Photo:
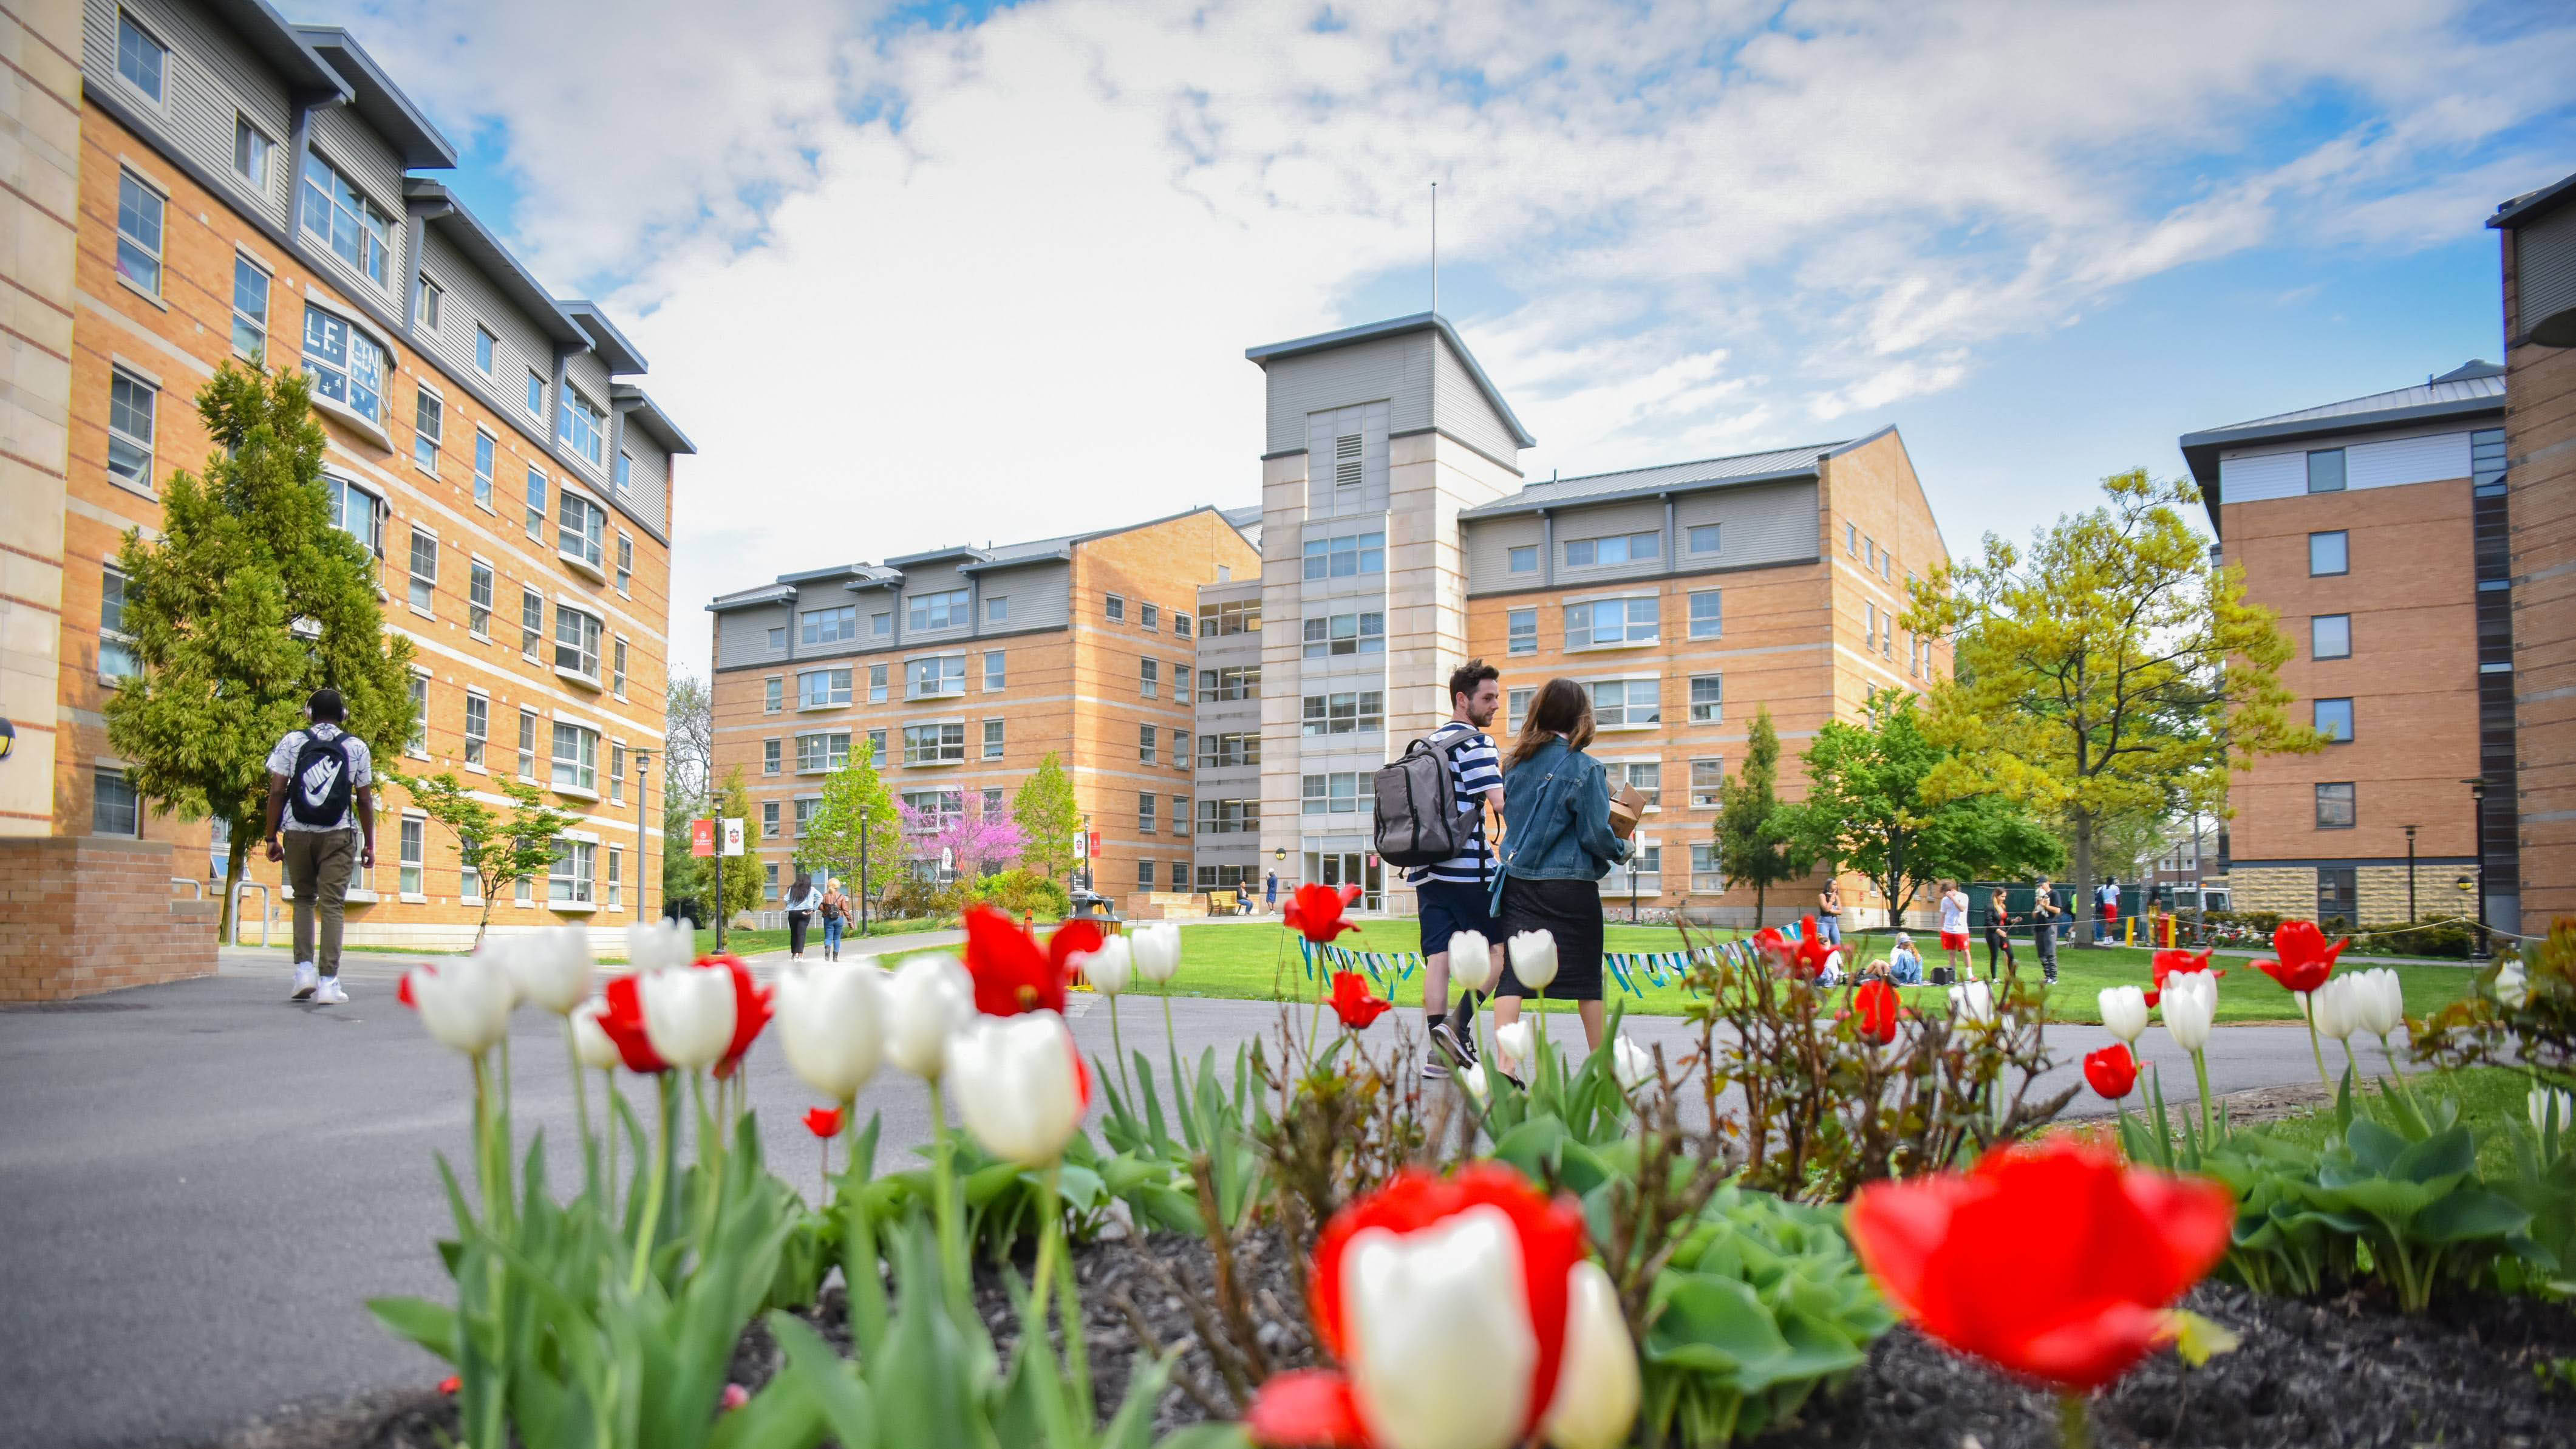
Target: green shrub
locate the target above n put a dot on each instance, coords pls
(1022, 893)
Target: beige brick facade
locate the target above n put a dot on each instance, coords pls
(2540, 433)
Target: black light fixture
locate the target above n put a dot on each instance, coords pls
(2478, 815)
(2411, 917)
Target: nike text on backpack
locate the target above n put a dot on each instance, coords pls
(319, 796)
(1418, 819)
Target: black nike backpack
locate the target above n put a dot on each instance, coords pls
(1418, 819)
(319, 792)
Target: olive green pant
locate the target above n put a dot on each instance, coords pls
(318, 863)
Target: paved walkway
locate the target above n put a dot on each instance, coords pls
(202, 1182)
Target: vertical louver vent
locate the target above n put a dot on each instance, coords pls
(1346, 462)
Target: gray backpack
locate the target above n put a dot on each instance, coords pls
(1418, 819)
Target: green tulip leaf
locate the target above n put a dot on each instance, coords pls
(2469, 1214)
(1712, 1324)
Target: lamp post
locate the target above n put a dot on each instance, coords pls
(2411, 917)
(643, 867)
(2478, 815)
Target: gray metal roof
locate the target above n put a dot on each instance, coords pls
(2531, 204)
(650, 416)
(605, 339)
(2473, 389)
(991, 556)
(380, 101)
(1397, 327)
(1797, 462)
(306, 73)
(469, 235)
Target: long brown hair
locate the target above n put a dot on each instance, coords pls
(1563, 707)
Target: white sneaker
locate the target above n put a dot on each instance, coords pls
(330, 994)
(306, 978)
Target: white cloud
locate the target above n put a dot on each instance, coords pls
(1013, 298)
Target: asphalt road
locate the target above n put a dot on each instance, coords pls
(200, 1183)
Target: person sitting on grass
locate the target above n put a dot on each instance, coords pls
(1904, 963)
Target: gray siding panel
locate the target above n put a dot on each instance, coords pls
(1459, 406)
(519, 345)
(342, 139)
(1394, 370)
(2544, 255)
(1576, 524)
(743, 636)
(649, 482)
(1763, 524)
(210, 78)
(1041, 595)
(1324, 499)
(1488, 544)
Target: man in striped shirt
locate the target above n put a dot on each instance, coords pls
(1454, 895)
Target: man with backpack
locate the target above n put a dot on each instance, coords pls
(1453, 889)
(318, 778)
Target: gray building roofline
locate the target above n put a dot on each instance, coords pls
(640, 405)
(611, 344)
(1397, 327)
(2200, 450)
(1659, 478)
(468, 235)
(2532, 205)
(998, 556)
(284, 46)
(380, 101)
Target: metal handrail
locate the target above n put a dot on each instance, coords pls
(192, 883)
(267, 912)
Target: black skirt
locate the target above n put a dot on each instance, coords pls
(1570, 911)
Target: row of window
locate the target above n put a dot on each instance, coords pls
(1610, 623)
(1877, 560)
(934, 742)
(1345, 792)
(940, 676)
(923, 613)
(1627, 703)
(1613, 550)
(1149, 615)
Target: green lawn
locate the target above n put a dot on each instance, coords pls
(2486, 1095)
(752, 943)
(1246, 960)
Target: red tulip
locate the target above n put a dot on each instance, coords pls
(623, 1021)
(750, 1010)
(1876, 1006)
(735, 1396)
(2099, 1250)
(2112, 1071)
(1011, 973)
(1771, 943)
(2305, 958)
(823, 1122)
(2169, 962)
(1315, 911)
(1812, 952)
(1353, 1002)
(450, 1384)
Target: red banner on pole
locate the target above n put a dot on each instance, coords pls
(702, 838)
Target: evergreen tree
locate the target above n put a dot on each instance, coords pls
(1755, 844)
(685, 877)
(856, 818)
(500, 850)
(250, 601)
(1049, 819)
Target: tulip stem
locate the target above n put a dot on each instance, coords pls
(2316, 1047)
(1050, 1240)
(2074, 1426)
(655, 1187)
(581, 1112)
(2200, 1075)
(952, 1243)
(608, 1086)
(1118, 1048)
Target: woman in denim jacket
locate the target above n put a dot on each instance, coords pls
(1557, 845)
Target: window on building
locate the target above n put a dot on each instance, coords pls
(616, 774)
(1521, 558)
(1115, 608)
(1618, 702)
(1870, 640)
(828, 626)
(1147, 743)
(1229, 817)
(945, 610)
(1707, 614)
(1646, 775)
(577, 635)
(881, 624)
(568, 883)
(1851, 539)
(769, 831)
(411, 879)
(114, 809)
(992, 739)
(536, 501)
(935, 678)
(485, 455)
(485, 344)
(1355, 712)
(1144, 875)
(1706, 877)
(1618, 548)
(115, 647)
(1868, 552)
(1703, 538)
(2338, 892)
(935, 744)
(1363, 633)
(576, 759)
(1705, 778)
(1145, 816)
(2330, 636)
(418, 745)
(355, 229)
(424, 569)
(822, 688)
(1345, 556)
(2334, 720)
(1149, 678)
(625, 563)
(478, 728)
(1180, 749)
(1241, 682)
(1603, 623)
(250, 309)
(536, 393)
(1708, 699)
(140, 58)
(805, 808)
(356, 512)
(997, 609)
(581, 426)
(345, 364)
(1337, 793)
(2336, 806)
(617, 669)
(1220, 750)
(769, 873)
(616, 879)
(1149, 616)
(771, 754)
(625, 472)
(1181, 676)
(1181, 624)
(532, 622)
(478, 600)
(2486, 461)
(469, 881)
(2329, 553)
(877, 746)
(132, 408)
(528, 745)
(877, 683)
(995, 808)
(139, 210)
(581, 532)
(1516, 707)
(1521, 625)
(1240, 617)
(2325, 470)
(939, 808)
(429, 302)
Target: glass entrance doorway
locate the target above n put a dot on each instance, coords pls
(1350, 867)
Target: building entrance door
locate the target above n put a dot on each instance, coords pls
(1350, 867)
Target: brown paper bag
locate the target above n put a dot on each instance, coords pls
(1626, 804)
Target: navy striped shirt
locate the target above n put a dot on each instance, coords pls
(1474, 768)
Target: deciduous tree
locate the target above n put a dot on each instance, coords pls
(1755, 845)
(856, 818)
(500, 850)
(1048, 817)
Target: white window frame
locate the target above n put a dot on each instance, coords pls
(487, 462)
(996, 671)
(1113, 607)
(1711, 710)
(115, 647)
(954, 605)
(1703, 793)
(1627, 693)
(102, 774)
(993, 732)
(428, 427)
(417, 747)
(250, 330)
(581, 532)
(478, 734)
(532, 624)
(625, 565)
(411, 878)
(589, 630)
(538, 486)
(1520, 631)
(424, 587)
(576, 773)
(617, 667)
(371, 225)
(487, 350)
(149, 46)
(571, 881)
(1586, 635)
(934, 742)
(946, 677)
(835, 693)
(135, 470)
(582, 426)
(429, 302)
(1713, 625)
(359, 370)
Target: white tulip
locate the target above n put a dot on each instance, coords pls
(1596, 1378)
(1632, 1064)
(831, 1021)
(2335, 1008)
(927, 999)
(2512, 985)
(1973, 1001)
(589, 1042)
(2381, 1000)
(1017, 1085)
(688, 1014)
(1516, 1046)
(551, 967)
(1439, 1347)
(464, 1004)
(1471, 961)
(2124, 1011)
(1533, 956)
(1108, 968)
(2190, 1006)
(1157, 951)
(2544, 1102)
(656, 946)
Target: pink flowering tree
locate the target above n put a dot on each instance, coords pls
(975, 844)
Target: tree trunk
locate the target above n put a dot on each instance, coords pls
(234, 855)
(1758, 890)
(2086, 911)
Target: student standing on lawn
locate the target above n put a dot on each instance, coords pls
(2043, 928)
(1456, 894)
(1829, 914)
(1954, 928)
(317, 776)
(1998, 932)
(2106, 929)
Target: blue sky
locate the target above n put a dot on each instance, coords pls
(922, 275)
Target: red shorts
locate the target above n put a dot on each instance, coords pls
(1954, 940)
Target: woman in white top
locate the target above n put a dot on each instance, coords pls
(803, 900)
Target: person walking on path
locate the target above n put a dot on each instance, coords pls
(2043, 928)
(1558, 845)
(1998, 932)
(1829, 914)
(836, 910)
(803, 900)
(322, 826)
(1954, 929)
(1456, 894)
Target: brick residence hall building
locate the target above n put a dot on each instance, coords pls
(1221, 683)
(203, 182)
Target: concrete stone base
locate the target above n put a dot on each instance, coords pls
(90, 913)
(2292, 891)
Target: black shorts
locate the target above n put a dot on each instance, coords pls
(1448, 907)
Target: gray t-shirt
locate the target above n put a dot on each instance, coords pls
(281, 761)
